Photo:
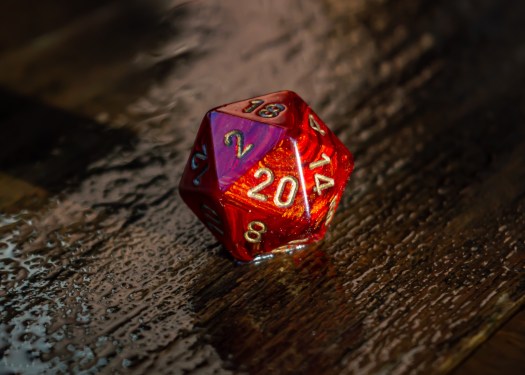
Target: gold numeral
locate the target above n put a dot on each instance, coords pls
(241, 150)
(253, 234)
(322, 183)
(315, 125)
(253, 105)
(271, 110)
(319, 163)
(199, 155)
(278, 199)
(254, 192)
(331, 211)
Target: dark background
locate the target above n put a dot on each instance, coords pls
(103, 268)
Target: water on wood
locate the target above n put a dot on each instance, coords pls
(104, 269)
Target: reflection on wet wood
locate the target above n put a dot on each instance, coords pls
(52, 145)
(106, 269)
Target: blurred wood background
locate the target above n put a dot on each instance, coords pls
(104, 270)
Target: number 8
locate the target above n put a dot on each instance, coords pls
(254, 235)
(271, 110)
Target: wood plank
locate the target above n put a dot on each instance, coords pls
(426, 254)
(502, 354)
(13, 191)
(46, 146)
(24, 20)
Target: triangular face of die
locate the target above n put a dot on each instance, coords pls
(239, 144)
(200, 174)
(282, 108)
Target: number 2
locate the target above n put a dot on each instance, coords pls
(254, 191)
(241, 150)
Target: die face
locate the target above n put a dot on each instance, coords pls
(326, 166)
(273, 185)
(200, 174)
(257, 232)
(283, 108)
(265, 174)
(209, 210)
(239, 143)
(296, 186)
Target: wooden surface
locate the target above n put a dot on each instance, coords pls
(103, 269)
(502, 353)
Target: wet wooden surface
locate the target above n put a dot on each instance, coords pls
(103, 269)
(501, 354)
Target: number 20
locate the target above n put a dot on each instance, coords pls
(278, 199)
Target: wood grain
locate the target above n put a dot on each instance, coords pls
(107, 271)
(502, 353)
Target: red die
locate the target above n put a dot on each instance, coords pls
(265, 174)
